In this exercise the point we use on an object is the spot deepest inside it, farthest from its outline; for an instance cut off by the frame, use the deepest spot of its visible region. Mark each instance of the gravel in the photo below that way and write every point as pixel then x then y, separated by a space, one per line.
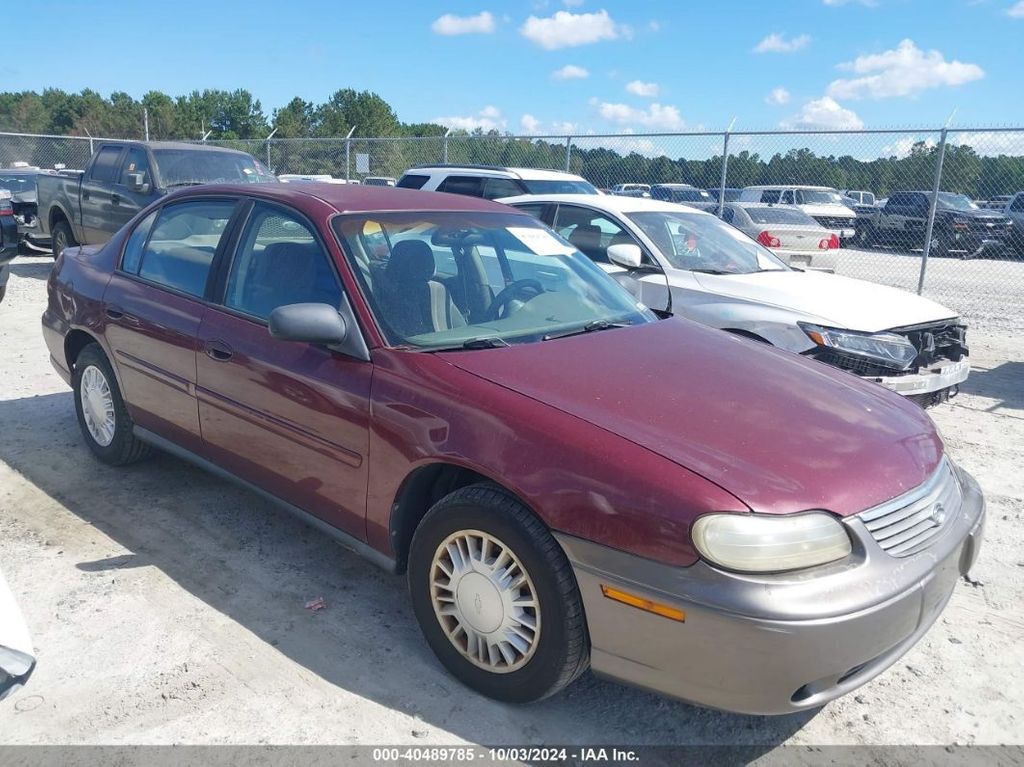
pixel 167 605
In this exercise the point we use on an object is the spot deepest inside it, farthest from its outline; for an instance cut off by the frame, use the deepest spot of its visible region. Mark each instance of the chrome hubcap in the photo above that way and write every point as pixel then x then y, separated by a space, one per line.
pixel 485 601
pixel 97 406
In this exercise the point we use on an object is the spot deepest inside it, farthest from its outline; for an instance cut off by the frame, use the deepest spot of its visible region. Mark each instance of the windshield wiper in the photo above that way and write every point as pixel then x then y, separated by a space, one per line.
pixel 186 183
pixel 486 342
pixel 590 327
pixel 712 271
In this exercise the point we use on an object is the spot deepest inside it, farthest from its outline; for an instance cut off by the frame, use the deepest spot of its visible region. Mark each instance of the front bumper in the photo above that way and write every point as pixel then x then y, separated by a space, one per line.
pixel 771 644
pixel 942 375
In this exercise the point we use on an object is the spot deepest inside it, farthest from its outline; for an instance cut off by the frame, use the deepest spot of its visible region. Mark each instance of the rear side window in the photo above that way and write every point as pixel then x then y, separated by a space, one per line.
pixel 778 216
pixel 771 195
pixel 279 262
pixel 471 186
pixel 105 167
pixel 412 181
pixel 1018 203
pixel 728 215
pixel 495 188
pixel 136 241
pixel 183 242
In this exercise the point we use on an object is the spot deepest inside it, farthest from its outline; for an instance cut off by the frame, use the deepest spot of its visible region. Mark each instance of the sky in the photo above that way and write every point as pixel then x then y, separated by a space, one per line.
pixel 554 66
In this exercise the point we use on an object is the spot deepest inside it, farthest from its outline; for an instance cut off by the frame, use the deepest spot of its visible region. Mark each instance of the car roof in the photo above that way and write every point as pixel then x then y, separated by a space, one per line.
pixel 173 145
pixel 607 202
pixel 678 186
pixel 793 186
pixel 350 198
pixel 527 174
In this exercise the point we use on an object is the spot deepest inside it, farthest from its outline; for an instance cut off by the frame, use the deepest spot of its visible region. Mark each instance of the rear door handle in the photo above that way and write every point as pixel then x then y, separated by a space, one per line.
pixel 85 194
pixel 115 199
pixel 115 313
pixel 218 350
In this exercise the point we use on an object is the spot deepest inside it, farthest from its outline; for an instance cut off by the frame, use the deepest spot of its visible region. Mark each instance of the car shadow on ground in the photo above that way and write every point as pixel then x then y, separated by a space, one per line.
pixel 256 564
pixel 1003 383
pixel 34 269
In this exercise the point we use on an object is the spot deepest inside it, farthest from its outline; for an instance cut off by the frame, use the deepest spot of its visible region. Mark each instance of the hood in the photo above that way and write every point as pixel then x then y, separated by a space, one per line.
pixel 780 432
pixel 840 302
pixel 980 213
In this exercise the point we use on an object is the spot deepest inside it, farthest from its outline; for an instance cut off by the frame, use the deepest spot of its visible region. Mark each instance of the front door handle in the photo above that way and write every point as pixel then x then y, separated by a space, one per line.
pixel 85 194
pixel 115 313
pixel 218 350
pixel 115 199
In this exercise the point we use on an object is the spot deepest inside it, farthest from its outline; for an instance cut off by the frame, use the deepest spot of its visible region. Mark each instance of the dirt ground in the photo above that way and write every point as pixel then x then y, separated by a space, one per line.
pixel 167 605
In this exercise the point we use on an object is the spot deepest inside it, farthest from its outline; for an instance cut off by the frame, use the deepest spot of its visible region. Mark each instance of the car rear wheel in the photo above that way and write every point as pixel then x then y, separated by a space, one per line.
pixel 102 415
pixel 61 237
pixel 496 598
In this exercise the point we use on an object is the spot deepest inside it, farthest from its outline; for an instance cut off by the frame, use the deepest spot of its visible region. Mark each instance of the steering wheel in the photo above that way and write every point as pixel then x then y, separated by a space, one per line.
pixel 522 290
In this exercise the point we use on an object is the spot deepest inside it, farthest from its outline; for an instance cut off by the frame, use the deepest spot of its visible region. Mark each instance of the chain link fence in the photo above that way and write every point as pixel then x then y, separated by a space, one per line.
pixel 973 260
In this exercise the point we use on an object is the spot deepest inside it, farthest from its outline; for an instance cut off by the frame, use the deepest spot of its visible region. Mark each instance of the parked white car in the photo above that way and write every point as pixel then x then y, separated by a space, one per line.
pixel 17 659
pixel 631 190
pixel 786 231
pixel 492 181
pixel 822 203
pixel 685 261
pixel 309 178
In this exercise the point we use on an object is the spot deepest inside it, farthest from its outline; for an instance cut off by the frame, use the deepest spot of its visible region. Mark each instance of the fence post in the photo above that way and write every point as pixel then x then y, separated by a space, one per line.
pixel 725 169
pixel 269 166
pixel 348 147
pixel 447 133
pixel 936 183
pixel 568 152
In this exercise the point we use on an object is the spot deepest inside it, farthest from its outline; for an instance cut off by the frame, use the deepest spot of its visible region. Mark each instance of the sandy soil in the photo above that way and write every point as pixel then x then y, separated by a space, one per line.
pixel 167 605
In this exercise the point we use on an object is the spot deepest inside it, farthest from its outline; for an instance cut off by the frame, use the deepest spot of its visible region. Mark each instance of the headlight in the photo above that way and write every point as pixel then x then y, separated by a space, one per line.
pixel 886 348
pixel 763 544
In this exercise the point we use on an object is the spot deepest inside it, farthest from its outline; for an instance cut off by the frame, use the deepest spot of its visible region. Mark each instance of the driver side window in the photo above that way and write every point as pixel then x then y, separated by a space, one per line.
pixel 590 232
pixel 279 262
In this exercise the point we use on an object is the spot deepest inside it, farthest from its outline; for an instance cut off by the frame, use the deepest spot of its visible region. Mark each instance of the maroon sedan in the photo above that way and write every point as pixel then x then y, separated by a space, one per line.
pixel 454 391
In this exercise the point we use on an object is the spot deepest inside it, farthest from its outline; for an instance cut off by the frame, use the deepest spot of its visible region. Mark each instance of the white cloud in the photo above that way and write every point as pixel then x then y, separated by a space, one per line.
pixel 572 3
pixel 823 114
pixel 450 24
pixel 489 118
pixel 564 127
pixel 901 147
pixel 529 123
pixel 991 143
pixel 570 72
pixel 567 30
pixel 905 70
pixel 640 88
pixel 655 26
pixel 657 116
pixel 1016 11
pixel 777 97
pixel 776 43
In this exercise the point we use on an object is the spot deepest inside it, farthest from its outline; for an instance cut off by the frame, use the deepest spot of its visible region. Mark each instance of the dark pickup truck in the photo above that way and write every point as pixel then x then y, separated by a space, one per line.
pixel 123 177
pixel 960 225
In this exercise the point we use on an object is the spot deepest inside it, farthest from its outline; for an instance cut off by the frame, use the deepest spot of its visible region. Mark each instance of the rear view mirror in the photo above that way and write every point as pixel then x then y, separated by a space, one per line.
pixel 309 323
pixel 626 255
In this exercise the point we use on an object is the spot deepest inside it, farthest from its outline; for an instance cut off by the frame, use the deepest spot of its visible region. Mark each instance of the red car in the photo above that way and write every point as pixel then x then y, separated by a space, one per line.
pixel 457 393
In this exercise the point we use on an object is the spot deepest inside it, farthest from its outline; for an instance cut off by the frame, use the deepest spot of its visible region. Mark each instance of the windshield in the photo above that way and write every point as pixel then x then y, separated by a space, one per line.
pixel 818 197
pixel 956 201
pixel 779 216
pixel 702 243
pixel 18 184
pixel 680 194
pixel 442 279
pixel 558 186
pixel 179 167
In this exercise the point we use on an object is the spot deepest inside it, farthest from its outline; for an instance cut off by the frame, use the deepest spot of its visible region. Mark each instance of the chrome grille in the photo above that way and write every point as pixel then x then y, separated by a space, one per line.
pixel 908 524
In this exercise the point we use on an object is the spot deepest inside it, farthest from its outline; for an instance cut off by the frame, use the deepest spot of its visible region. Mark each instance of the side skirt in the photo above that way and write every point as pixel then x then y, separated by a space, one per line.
pixel 348 541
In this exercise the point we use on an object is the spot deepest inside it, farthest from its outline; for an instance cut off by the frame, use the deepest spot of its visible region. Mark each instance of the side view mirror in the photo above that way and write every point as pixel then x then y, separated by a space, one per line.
pixel 626 255
pixel 137 182
pixel 309 323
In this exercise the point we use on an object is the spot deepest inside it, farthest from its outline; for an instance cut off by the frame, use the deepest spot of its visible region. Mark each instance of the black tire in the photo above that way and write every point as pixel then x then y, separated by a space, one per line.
pixel 61 237
pixel 940 246
pixel 124 448
pixel 3 292
pixel 563 647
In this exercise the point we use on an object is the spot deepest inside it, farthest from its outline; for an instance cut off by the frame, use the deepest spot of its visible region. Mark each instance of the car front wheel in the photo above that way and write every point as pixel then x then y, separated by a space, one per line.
pixel 496 598
pixel 102 415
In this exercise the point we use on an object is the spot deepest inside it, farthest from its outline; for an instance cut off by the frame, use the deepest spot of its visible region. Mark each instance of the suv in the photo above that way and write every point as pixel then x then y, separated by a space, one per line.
pixel 631 190
pixel 492 181
pixel 822 203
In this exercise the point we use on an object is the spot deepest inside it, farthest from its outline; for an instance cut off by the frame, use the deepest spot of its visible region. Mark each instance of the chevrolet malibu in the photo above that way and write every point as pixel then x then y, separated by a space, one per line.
pixel 452 390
